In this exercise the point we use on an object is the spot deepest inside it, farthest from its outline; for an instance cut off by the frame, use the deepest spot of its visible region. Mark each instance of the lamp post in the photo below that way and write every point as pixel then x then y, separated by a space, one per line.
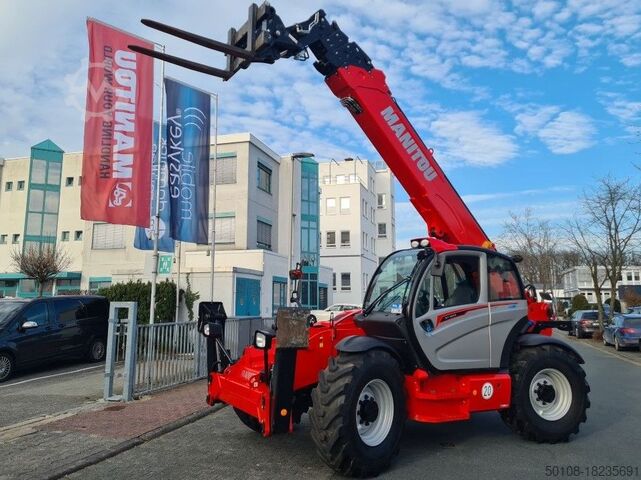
pixel 294 157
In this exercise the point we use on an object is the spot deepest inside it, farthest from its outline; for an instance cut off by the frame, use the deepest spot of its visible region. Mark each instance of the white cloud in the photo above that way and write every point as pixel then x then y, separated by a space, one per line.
pixel 467 137
pixel 569 132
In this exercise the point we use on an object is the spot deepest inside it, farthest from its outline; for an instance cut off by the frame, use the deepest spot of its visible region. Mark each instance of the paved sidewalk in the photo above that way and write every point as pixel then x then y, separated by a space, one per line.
pixel 51 448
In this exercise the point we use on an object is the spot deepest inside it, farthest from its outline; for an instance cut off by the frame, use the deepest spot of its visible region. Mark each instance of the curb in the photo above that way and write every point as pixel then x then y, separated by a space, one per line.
pixel 132 442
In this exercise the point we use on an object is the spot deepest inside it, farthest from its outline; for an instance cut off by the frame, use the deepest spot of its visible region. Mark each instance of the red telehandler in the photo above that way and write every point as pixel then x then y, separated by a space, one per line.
pixel 447 328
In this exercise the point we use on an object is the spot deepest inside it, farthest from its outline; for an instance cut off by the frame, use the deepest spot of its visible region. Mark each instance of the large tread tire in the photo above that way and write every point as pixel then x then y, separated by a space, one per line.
pixel 521 416
pixel 7 366
pixel 249 421
pixel 334 419
pixel 97 350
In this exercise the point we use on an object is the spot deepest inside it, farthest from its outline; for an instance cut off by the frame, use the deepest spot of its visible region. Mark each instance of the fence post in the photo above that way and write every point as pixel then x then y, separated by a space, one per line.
pixel 129 374
pixel 110 361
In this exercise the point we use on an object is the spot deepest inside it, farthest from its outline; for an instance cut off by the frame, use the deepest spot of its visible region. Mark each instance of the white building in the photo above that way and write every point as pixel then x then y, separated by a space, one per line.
pixel 577 280
pixel 256 222
pixel 357 224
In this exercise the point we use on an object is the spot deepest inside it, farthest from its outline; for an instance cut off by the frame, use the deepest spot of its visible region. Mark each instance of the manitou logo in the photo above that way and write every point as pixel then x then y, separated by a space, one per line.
pixel 409 144
pixel 121 195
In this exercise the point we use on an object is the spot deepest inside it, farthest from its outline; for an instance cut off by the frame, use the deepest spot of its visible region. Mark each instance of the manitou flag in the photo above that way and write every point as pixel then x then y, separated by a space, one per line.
pixel 188 119
pixel 116 164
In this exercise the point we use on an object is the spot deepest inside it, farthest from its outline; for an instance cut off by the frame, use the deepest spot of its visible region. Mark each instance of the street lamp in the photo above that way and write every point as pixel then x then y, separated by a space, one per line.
pixel 294 157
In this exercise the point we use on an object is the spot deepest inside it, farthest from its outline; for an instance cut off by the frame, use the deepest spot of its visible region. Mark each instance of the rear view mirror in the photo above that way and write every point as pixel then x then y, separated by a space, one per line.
pixel 437 266
pixel 28 324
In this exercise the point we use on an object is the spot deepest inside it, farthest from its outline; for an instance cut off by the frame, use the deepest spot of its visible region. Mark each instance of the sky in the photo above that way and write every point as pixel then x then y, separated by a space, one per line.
pixel 525 103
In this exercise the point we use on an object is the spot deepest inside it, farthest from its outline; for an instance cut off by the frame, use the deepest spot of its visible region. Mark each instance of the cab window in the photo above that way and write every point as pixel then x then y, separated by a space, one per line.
pixel 459 284
pixel 36 312
pixel 503 279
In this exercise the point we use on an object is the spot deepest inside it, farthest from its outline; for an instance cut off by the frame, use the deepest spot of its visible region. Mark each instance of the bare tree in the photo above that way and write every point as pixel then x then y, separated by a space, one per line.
pixel 607 230
pixel 535 241
pixel 41 264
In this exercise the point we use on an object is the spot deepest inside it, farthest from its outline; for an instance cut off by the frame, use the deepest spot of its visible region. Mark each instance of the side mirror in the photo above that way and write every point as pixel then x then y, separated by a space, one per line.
pixel 28 325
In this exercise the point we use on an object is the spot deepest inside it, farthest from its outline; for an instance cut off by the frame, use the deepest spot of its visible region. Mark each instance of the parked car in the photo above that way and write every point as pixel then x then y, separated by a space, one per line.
pixel 623 332
pixel 584 323
pixel 37 331
pixel 335 309
pixel 635 310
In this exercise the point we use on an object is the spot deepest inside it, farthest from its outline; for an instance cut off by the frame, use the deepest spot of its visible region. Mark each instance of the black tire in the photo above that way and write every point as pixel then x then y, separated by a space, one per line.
pixel 342 386
pixel 7 366
pixel 249 421
pixel 97 350
pixel 605 342
pixel 577 332
pixel 522 418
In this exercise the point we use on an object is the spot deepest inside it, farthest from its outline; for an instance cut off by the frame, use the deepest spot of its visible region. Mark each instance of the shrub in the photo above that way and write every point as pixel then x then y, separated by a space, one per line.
pixel 579 302
pixel 141 293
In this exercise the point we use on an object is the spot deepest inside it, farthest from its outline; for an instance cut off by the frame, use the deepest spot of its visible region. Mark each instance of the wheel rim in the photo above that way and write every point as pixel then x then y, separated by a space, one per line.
pixel 97 350
pixel 5 367
pixel 550 394
pixel 616 343
pixel 374 412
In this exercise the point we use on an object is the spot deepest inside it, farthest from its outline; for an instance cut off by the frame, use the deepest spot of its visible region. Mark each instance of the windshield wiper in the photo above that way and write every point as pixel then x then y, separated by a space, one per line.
pixel 371 306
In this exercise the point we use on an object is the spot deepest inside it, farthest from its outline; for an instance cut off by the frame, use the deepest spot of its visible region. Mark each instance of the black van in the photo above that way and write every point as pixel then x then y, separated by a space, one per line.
pixel 44 329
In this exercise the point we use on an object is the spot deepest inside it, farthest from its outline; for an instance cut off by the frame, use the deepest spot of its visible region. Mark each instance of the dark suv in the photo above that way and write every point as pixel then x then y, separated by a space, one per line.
pixel 38 331
pixel 584 323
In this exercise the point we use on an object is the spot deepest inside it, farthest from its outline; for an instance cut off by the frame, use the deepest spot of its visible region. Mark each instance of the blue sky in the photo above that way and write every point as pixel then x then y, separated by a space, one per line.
pixel 525 103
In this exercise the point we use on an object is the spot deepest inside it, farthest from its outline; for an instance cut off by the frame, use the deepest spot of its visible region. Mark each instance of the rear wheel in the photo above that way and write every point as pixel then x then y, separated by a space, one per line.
pixel 249 421
pixel 549 395
pixel 577 332
pixel 358 412
pixel 7 366
pixel 617 345
pixel 97 350
pixel 605 342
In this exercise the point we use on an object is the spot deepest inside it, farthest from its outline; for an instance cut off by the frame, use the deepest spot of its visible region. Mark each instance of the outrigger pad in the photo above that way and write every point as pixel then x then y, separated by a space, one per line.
pixel 293 327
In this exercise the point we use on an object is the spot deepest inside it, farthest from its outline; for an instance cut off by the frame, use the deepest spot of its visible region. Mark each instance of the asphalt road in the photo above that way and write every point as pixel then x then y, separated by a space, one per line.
pixel 219 446
pixel 48 390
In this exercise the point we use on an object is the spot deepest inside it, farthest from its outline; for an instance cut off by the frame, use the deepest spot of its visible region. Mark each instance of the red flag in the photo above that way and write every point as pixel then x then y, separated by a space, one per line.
pixel 116 164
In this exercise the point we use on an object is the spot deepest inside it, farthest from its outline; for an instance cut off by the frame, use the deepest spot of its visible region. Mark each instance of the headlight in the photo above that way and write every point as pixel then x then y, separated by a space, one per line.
pixel 206 330
pixel 263 340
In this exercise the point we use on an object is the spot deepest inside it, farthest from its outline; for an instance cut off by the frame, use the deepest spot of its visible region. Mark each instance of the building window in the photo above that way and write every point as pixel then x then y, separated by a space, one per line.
pixel 226 171
pixel 345 241
pixel 381 200
pixel 54 172
pixel 96 284
pixel 8 186
pixel 330 203
pixel 20 184
pixel 64 236
pixel 322 298
pixel 334 281
pixel 331 239
pixel 636 276
pixel 346 282
pixel 226 230
pixel 340 179
pixel 345 205
pixel 264 235
pixel 364 241
pixel 629 276
pixel 382 230
pixel 365 281
pixel 327 179
pixel 69 182
pixel 264 178
pixel 3 239
pixel 15 238
pixel 107 236
pixel 279 295
pixel 77 235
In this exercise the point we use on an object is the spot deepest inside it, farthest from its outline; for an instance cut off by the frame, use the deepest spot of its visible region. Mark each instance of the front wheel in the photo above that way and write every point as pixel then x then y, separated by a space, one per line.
pixel 358 412
pixel 7 366
pixel 249 421
pixel 549 394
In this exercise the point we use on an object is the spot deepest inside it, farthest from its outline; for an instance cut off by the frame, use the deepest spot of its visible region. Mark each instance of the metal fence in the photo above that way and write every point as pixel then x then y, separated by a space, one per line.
pixel 168 354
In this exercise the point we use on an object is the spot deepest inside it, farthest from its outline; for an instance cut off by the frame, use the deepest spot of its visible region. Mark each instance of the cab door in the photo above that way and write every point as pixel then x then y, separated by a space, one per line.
pixel 451 314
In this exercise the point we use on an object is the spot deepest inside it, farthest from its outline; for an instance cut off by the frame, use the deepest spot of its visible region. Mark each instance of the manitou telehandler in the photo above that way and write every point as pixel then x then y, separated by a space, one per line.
pixel 447 327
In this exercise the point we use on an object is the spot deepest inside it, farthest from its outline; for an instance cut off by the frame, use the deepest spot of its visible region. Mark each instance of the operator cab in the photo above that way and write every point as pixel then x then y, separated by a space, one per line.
pixel 454 308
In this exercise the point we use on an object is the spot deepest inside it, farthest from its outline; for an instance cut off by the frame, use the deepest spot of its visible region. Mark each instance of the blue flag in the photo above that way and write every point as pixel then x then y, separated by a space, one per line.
pixel 144 239
pixel 188 120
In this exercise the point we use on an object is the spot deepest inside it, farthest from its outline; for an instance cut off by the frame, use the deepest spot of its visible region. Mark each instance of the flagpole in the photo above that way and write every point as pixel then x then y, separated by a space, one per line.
pixel 213 219
pixel 154 261
pixel 178 280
